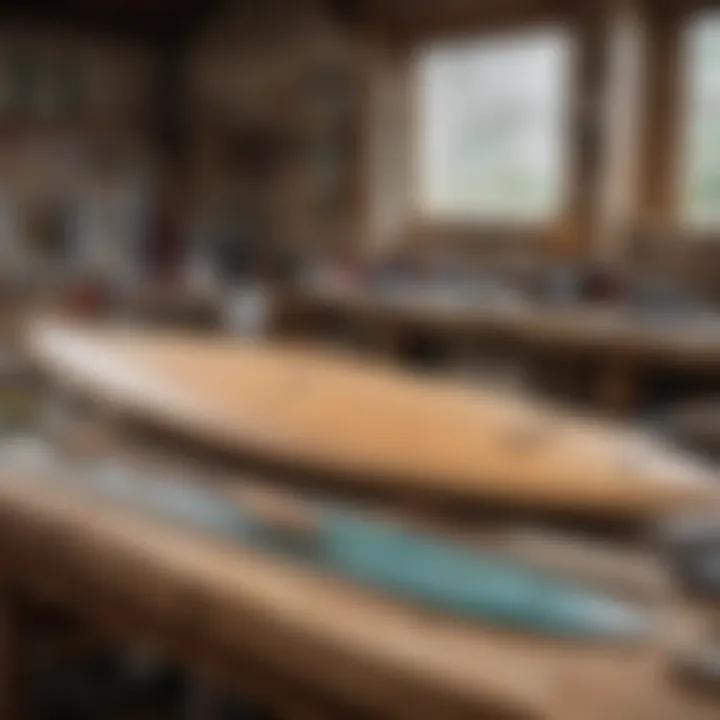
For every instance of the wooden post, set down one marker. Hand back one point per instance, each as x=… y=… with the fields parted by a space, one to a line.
x=586 y=140
x=660 y=131
x=618 y=202
x=388 y=156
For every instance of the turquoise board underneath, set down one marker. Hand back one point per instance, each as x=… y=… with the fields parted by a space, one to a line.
x=410 y=565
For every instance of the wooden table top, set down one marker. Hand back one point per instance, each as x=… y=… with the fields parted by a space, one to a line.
x=692 y=339
x=378 y=655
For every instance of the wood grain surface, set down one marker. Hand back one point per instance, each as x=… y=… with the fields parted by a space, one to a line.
x=198 y=597
x=685 y=342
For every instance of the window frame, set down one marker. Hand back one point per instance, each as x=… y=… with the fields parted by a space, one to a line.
x=501 y=220
x=696 y=229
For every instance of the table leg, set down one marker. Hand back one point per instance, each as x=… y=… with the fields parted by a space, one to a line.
x=617 y=388
x=12 y=666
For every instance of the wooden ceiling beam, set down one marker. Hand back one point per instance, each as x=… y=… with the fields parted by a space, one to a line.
x=156 y=21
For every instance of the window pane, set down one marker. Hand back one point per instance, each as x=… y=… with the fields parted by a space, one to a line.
x=701 y=180
x=492 y=127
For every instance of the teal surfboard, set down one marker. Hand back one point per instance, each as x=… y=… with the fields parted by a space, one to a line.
x=417 y=567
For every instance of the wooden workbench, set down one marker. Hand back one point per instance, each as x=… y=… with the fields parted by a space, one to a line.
x=307 y=645
x=623 y=345
x=683 y=341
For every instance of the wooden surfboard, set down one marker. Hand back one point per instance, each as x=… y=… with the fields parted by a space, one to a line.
x=361 y=423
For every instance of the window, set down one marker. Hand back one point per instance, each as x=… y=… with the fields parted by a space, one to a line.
x=700 y=189
x=492 y=127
